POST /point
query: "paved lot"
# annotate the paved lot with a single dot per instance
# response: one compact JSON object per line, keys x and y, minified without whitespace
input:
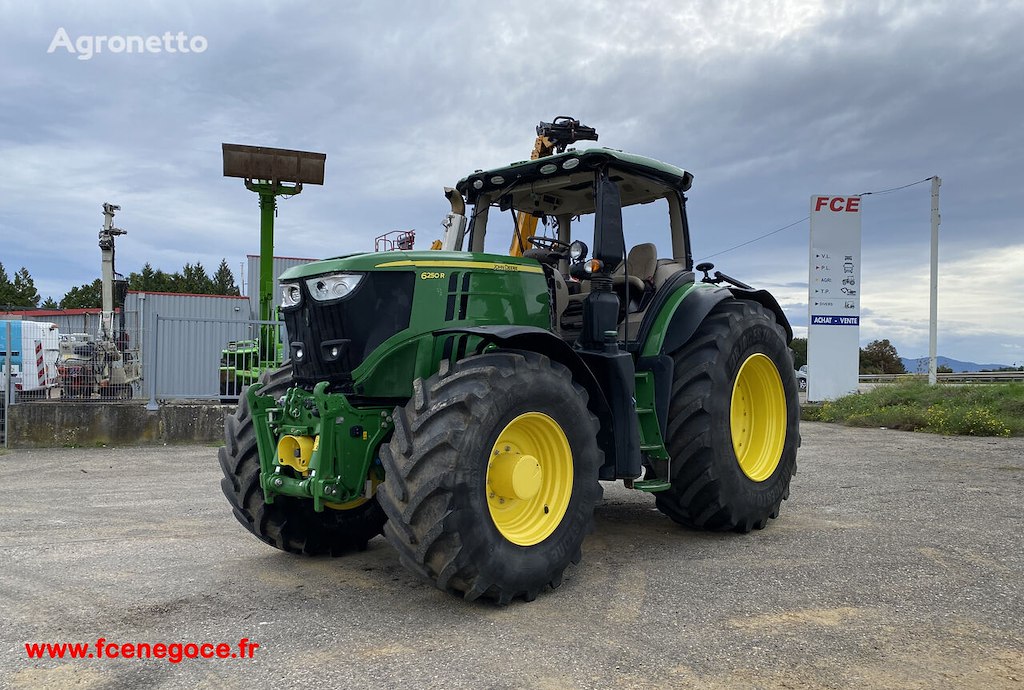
{"x":897,"y":563}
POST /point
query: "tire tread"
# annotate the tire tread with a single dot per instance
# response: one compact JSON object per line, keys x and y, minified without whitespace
{"x":424,"y":472}
{"x":289,"y":524}
{"x":699,"y":498}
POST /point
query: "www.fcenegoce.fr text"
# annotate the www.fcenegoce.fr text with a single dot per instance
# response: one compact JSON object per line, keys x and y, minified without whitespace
{"x":173,"y":652}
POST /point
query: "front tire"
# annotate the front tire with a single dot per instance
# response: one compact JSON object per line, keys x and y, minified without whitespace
{"x":289,"y":523}
{"x":491,"y":476}
{"x":733,"y":422}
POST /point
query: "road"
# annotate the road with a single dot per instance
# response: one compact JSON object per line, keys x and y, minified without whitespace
{"x":896,"y":563}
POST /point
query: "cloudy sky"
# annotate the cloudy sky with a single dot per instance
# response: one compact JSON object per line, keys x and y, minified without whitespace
{"x":765,"y":102}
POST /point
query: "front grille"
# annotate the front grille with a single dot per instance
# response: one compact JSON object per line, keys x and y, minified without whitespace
{"x":335,"y":337}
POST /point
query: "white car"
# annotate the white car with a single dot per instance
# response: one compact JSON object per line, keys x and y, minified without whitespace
{"x":801,"y":378}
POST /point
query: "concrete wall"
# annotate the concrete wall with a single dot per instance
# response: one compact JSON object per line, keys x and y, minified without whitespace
{"x":46,"y":424}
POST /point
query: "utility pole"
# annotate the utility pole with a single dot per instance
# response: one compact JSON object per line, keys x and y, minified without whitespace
{"x":270,"y":173}
{"x":107,"y":235}
{"x":934,"y":296}
{"x":265,"y":171}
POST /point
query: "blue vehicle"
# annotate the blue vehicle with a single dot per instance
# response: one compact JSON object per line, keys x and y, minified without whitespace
{"x":34,"y":346}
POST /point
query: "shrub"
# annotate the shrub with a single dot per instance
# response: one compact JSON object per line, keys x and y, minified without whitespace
{"x":970,"y":421}
{"x":973,"y":409}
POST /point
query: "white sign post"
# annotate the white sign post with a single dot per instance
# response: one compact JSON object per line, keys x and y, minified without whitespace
{"x":833,"y":297}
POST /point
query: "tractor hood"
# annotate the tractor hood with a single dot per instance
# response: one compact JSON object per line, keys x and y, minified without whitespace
{"x":349,"y":317}
{"x":410,"y":260}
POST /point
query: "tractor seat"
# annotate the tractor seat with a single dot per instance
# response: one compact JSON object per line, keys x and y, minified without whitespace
{"x":640,"y":266}
{"x":641,"y":263}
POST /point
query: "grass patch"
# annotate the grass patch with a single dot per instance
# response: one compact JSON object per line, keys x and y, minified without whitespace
{"x":956,"y":410}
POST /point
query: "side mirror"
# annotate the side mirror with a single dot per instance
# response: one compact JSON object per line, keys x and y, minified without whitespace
{"x":609,"y":243}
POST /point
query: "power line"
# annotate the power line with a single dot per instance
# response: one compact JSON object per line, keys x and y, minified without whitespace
{"x":797,"y":222}
{"x":896,"y":189}
{"x":760,"y":237}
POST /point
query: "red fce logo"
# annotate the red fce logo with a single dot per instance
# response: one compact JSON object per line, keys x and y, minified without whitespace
{"x":837,"y":204}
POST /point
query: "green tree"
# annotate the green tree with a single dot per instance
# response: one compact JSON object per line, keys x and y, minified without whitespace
{"x":943,"y":369}
{"x":25,"y":292}
{"x":6,"y":289}
{"x":224,"y":280}
{"x":143,"y":280}
{"x":19,"y":293}
{"x":880,"y":357}
{"x":151,"y":280}
{"x":193,"y":280}
{"x":88,"y":296}
{"x":50,"y":303}
{"x":799,"y":348}
{"x":163,"y":281}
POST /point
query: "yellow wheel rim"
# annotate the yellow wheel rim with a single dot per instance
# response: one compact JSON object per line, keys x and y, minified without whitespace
{"x":529,"y":478}
{"x":758,"y":417}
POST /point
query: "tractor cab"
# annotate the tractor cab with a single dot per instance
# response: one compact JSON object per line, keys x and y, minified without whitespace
{"x":597,"y":283}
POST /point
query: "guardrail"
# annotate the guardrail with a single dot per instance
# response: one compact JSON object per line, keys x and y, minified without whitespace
{"x":965,"y":377}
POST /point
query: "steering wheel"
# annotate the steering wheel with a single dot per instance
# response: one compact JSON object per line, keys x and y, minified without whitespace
{"x":549,"y":243}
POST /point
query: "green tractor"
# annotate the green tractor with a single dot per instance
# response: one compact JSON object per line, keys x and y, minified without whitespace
{"x":467,"y":405}
{"x":242,"y":362}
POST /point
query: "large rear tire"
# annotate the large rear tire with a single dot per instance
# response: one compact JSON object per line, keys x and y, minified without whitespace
{"x":733,"y":427}
{"x":289,"y":524}
{"x":491,"y":476}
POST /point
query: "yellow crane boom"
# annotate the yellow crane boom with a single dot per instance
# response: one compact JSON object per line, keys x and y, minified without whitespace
{"x":552,"y":137}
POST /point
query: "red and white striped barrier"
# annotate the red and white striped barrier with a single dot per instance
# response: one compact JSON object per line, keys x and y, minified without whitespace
{"x":40,"y":364}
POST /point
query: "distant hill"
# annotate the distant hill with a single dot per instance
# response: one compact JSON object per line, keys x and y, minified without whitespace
{"x":920,"y":365}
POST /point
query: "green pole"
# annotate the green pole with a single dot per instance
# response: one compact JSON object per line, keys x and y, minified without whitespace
{"x":268,"y":205}
{"x":268,"y":191}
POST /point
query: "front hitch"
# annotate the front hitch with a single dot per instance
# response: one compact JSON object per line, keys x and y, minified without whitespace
{"x":316,"y":445}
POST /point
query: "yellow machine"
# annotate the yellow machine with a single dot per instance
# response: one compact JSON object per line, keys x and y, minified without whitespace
{"x":552,"y":137}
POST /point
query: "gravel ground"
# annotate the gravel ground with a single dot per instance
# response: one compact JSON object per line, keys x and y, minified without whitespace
{"x":896,"y":563}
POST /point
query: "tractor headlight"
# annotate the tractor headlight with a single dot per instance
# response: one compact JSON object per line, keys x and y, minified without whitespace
{"x":291,"y":295}
{"x":577,"y":251}
{"x":332,"y":287}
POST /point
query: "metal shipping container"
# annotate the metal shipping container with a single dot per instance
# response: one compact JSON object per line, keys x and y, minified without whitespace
{"x":183,"y":356}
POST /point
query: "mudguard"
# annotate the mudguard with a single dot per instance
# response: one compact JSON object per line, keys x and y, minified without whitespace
{"x":546,"y":343}
{"x":535,"y":339}
{"x":683,"y":311}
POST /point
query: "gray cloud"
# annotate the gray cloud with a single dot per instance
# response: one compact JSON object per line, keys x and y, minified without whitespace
{"x":765,"y":103}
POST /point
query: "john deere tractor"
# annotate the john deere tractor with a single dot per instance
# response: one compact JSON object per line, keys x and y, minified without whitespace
{"x":467,"y":405}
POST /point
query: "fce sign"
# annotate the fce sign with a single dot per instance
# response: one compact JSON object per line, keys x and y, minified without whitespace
{"x":833,"y":296}
{"x":837,"y":204}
